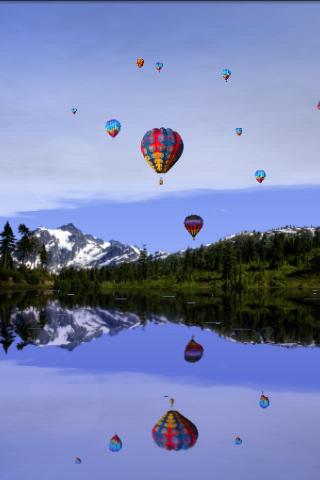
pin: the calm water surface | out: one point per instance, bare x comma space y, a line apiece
74, 371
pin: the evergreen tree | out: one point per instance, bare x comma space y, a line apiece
27, 245
43, 256
7, 246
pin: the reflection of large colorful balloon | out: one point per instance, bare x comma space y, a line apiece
318, 106
239, 131
193, 223
174, 432
115, 444
74, 110
237, 441
226, 73
113, 127
159, 66
77, 460
140, 62
193, 351
260, 175
264, 401
162, 148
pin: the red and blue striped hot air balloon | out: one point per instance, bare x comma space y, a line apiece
193, 224
161, 148
115, 444
77, 460
113, 127
260, 175
174, 432
238, 441
264, 401
226, 73
238, 131
159, 66
193, 351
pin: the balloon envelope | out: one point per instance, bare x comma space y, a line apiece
193, 351
260, 175
239, 131
264, 401
161, 148
74, 110
174, 432
238, 441
140, 62
113, 127
77, 460
115, 444
226, 73
159, 66
193, 224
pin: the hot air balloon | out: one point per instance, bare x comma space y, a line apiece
318, 106
74, 110
174, 432
226, 73
264, 401
113, 127
193, 351
162, 148
77, 460
260, 175
140, 62
159, 66
239, 131
193, 223
115, 444
237, 441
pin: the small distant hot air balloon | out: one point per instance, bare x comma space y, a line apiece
77, 460
140, 62
264, 401
115, 444
237, 441
193, 351
174, 432
226, 73
113, 127
161, 148
159, 66
239, 131
260, 175
318, 106
193, 224
74, 110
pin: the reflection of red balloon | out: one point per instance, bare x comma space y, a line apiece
193, 351
193, 223
174, 432
318, 106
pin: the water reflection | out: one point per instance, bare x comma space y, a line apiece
34, 319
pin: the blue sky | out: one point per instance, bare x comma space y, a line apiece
58, 55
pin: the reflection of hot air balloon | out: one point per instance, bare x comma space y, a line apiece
174, 432
77, 460
140, 62
237, 441
226, 73
239, 131
113, 127
318, 106
74, 110
193, 351
264, 401
260, 175
115, 444
193, 223
159, 66
162, 148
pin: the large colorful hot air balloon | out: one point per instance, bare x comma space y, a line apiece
226, 73
115, 444
264, 401
159, 66
162, 148
113, 127
260, 175
237, 441
239, 131
193, 351
318, 106
77, 460
74, 110
193, 223
174, 432
140, 62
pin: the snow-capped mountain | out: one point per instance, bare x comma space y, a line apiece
288, 230
67, 246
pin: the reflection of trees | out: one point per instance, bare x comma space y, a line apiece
245, 318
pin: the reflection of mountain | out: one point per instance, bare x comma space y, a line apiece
68, 328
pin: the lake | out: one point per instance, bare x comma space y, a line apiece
75, 371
